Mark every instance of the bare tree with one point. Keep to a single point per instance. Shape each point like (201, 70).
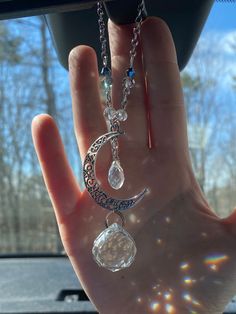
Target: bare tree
(206, 115)
(46, 65)
(203, 110)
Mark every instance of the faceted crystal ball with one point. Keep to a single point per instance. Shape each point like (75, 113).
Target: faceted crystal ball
(114, 248)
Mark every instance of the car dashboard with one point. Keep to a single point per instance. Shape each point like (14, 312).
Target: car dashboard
(46, 285)
(41, 285)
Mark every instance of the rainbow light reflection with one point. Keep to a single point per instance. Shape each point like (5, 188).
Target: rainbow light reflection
(139, 299)
(170, 309)
(188, 280)
(214, 261)
(188, 298)
(155, 306)
(167, 296)
(184, 266)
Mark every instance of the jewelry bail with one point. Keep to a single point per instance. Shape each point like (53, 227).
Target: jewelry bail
(117, 212)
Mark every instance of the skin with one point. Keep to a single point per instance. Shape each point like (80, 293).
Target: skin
(175, 230)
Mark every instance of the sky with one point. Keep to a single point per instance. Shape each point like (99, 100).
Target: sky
(222, 23)
(220, 30)
(222, 17)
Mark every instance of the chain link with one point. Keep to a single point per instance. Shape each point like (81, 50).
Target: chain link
(102, 31)
(128, 80)
(136, 32)
(134, 44)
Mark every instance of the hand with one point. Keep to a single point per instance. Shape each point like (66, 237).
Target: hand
(186, 255)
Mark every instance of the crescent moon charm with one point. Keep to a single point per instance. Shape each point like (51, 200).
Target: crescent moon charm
(92, 185)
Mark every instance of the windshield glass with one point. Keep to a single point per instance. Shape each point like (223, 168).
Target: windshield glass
(32, 81)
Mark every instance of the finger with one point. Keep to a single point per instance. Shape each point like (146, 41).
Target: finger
(89, 122)
(58, 176)
(120, 44)
(165, 96)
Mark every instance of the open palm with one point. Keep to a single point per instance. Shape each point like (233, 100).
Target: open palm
(185, 260)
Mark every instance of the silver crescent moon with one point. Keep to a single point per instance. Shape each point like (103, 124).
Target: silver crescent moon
(92, 185)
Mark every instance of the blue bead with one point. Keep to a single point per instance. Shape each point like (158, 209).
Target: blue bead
(105, 71)
(131, 73)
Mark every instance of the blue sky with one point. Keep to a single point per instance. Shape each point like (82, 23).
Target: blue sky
(222, 17)
(219, 33)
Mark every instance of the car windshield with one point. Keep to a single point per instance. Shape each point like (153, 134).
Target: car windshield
(32, 81)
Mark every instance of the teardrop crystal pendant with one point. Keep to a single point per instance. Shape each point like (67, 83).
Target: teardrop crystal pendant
(116, 176)
(114, 248)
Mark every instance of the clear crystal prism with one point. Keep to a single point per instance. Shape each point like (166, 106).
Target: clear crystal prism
(116, 176)
(109, 113)
(114, 248)
(121, 115)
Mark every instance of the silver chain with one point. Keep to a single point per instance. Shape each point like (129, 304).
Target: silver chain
(102, 30)
(114, 117)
